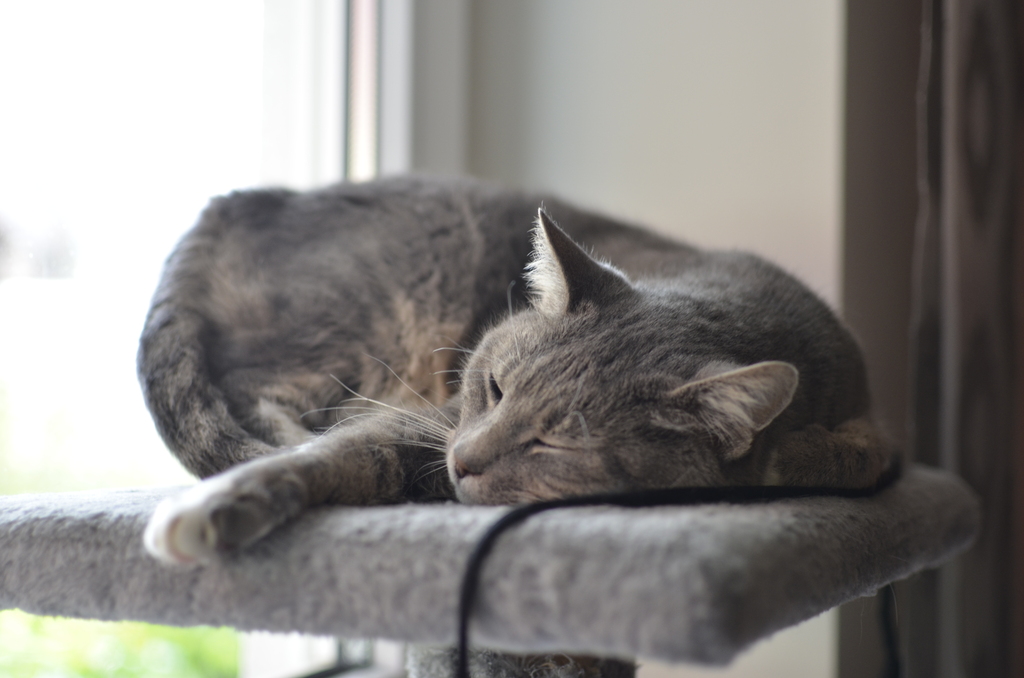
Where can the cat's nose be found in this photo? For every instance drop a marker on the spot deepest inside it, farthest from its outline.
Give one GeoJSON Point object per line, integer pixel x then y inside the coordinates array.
{"type": "Point", "coordinates": [465, 462]}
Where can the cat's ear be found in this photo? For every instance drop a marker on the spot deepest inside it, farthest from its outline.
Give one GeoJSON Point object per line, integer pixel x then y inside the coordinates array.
{"type": "Point", "coordinates": [732, 406]}
{"type": "Point", "coordinates": [562, 276]}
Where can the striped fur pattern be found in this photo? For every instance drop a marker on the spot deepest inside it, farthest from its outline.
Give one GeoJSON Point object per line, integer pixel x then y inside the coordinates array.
{"type": "Point", "coordinates": [416, 339]}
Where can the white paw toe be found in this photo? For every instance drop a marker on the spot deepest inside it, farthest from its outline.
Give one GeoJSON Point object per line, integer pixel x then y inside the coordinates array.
{"type": "Point", "coordinates": [181, 532]}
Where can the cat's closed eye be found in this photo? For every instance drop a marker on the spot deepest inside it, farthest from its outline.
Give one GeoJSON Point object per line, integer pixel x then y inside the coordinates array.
{"type": "Point", "coordinates": [493, 390]}
{"type": "Point", "coordinates": [538, 446]}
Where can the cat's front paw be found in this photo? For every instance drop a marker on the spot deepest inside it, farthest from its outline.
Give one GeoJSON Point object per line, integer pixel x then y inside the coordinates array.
{"type": "Point", "coordinates": [221, 514]}
{"type": "Point", "coordinates": [181, 530]}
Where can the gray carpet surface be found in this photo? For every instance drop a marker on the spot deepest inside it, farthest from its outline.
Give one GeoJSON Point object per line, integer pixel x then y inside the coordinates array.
{"type": "Point", "coordinates": [695, 584]}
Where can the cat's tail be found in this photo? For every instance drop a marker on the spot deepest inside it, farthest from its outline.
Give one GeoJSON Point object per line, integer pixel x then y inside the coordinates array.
{"type": "Point", "coordinates": [190, 412]}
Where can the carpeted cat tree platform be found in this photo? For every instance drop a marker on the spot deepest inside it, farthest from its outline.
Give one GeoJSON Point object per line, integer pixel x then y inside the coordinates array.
{"type": "Point", "coordinates": [695, 584]}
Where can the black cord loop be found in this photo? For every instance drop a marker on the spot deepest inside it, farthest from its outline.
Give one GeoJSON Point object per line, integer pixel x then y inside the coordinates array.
{"type": "Point", "coordinates": [674, 496]}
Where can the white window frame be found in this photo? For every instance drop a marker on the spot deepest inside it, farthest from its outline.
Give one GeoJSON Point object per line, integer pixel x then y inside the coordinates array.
{"type": "Point", "coordinates": [320, 66]}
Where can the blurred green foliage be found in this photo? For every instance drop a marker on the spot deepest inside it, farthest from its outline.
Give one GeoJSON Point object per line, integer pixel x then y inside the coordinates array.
{"type": "Point", "coordinates": [50, 647]}
{"type": "Point", "coordinates": [38, 647]}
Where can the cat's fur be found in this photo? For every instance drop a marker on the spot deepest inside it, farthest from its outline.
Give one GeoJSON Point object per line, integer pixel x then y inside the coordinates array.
{"type": "Point", "coordinates": [362, 344]}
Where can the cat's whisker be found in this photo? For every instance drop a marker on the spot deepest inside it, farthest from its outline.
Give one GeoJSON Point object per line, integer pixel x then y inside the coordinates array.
{"type": "Point", "coordinates": [586, 430]}
{"type": "Point", "coordinates": [435, 464]}
{"type": "Point", "coordinates": [453, 348]}
{"type": "Point", "coordinates": [576, 397]}
{"type": "Point", "coordinates": [428, 470]}
{"type": "Point", "coordinates": [429, 434]}
{"type": "Point", "coordinates": [433, 433]}
{"type": "Point", "coordinates": [418, 443]}
{"type": "Point", "coordinates": [339, 423]}
{"type": "Point", "coordinates": [420, 417]}
{"type": "Point", "coordinates": [468, 374]}
{"type": "Point", "coordinates": [317, 411]}
{"type": "Point", "coordinates": [437, 433]}
{"type": "Point", "coordinates": [508, 294]}
{"type": "Point", "coordinates": [414, 391]}
{"type": "Point", "coordinates": [463, 381]}
{"type": "Point", "coordinates": [407, 417]}
{"type": "Point", "coordinates": [353, 416]}
{"type": "Point", "coordinates": [451, 340]}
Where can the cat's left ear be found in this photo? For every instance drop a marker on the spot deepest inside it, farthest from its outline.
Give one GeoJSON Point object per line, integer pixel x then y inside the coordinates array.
{"type": "Point", "coordinates": [732, 406]}
{"type": "Point", "coordinates": [562, 276]}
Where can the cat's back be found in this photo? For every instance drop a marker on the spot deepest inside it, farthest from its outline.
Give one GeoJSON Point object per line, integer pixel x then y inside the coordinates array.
{"type": "Point", "coordinates": [403, 229]}
{"type": "Point", "coordinates": [737, 307]}
{"type": "Point", "coordinates": [278, 303]}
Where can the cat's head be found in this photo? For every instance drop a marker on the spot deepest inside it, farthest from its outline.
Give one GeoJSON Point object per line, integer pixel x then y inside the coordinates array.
{"type": "Point", "coordinates": [593, 390]}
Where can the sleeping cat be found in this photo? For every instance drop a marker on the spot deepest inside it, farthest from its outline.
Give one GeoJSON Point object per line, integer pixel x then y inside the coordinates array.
{"type": "Point", "coordinates": [413, 338]}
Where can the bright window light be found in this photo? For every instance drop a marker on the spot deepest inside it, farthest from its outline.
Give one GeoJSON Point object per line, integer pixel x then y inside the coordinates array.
{"type": "Point", "coordinates": [119, 121]}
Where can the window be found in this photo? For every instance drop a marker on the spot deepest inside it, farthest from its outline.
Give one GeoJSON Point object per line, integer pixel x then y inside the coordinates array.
{"type": "Point", "coordinates": [121, 120]}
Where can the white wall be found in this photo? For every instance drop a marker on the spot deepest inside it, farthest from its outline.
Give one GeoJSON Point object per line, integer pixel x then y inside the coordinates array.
{"type": "Point", "coordinates": [715, 120]}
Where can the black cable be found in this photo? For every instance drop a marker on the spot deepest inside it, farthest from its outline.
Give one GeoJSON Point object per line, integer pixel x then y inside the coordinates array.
{"type": "Point", "coordinates": [674, 496]}
{"type": "Point", "coordinates": [887, 607]}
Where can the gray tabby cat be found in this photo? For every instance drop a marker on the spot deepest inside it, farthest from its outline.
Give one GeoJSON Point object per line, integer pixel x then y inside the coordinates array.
{"type": "Point", "coordinates": [362, 344]}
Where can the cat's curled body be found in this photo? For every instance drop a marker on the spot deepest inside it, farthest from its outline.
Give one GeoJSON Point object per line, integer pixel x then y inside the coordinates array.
{"type": "Point", "coordinates": [364, 344]}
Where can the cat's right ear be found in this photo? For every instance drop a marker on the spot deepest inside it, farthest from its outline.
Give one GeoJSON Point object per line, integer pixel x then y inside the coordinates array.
{"type": "Point", "coordinates": [732, 406]}
{"type": "Point", "coordinates": [562, 276]}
